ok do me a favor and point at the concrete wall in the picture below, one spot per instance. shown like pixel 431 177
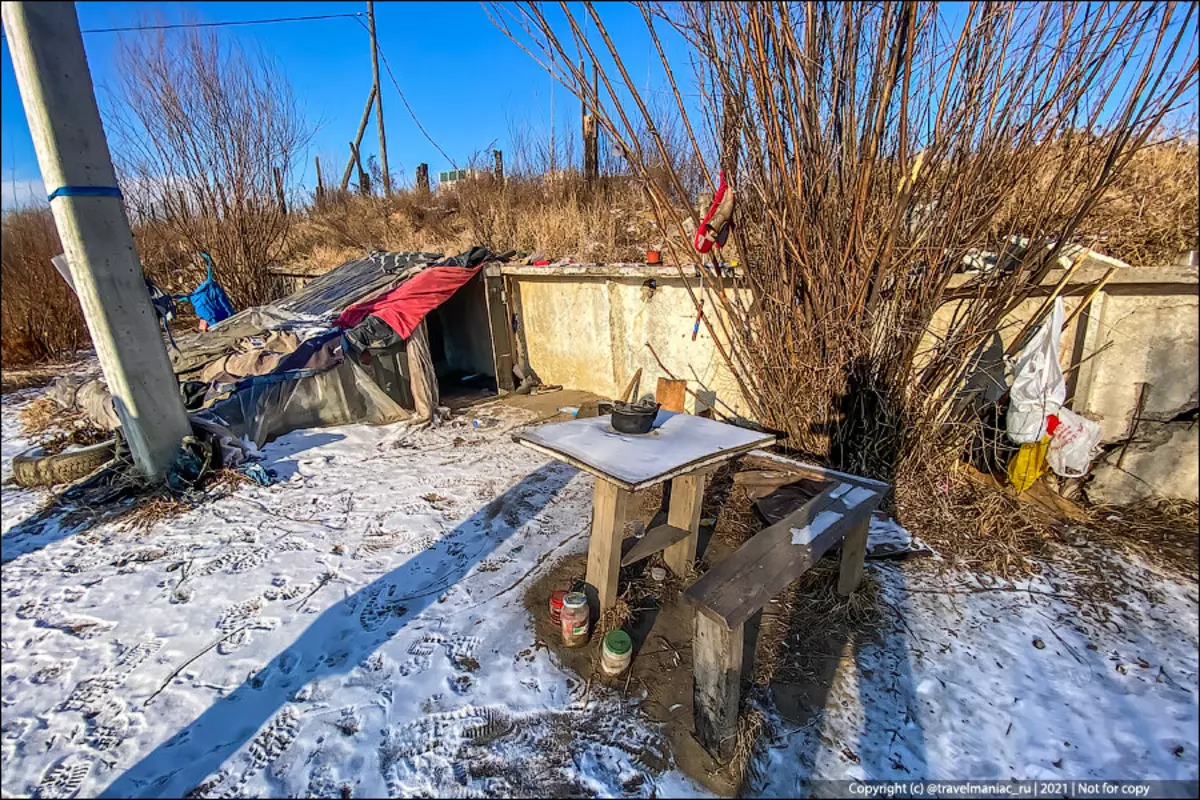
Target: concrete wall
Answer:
pixel 585 327
pixel 588 330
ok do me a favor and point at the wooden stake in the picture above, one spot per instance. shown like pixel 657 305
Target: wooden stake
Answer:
pixel 854 553
pixel 716 683
pixel 280 197
pixel 364 180
pixel 626 396
pixel 498 162
pixel 383 159
pixel 1087 301
pixel 320 183
pixel 362 127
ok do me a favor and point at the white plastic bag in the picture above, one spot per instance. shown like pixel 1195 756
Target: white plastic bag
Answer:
pixel 1073 445
pixel 1038 388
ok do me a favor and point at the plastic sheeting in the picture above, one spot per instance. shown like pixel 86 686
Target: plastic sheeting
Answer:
pixel 404 307
pixel 269 406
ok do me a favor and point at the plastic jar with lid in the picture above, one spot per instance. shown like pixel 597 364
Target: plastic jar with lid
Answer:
pixel 616 652
pixel 575 619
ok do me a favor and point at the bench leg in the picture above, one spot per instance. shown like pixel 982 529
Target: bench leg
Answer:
pixel 716 683
pixel 687 492
pixel 604 548
pixel 854 552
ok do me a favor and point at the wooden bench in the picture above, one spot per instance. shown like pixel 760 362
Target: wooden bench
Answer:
pixel 734 590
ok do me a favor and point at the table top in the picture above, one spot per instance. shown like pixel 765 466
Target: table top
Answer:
pixel 677 444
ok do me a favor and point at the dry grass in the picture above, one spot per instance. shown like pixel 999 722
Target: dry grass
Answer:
pixel 1163 533
pixel 40 319
pixel 152 510
pixel 614 618
pixel 1150 213
pixel 751 724
pixel 40 415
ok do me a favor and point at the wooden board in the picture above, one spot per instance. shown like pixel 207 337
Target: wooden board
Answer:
pixel 500 325
pixel 746 581
pixel 609 502
pixel 761 459
pixel 687 494
pixel 660 537
pixel 678 444
pixel 671 394
pixel 854 553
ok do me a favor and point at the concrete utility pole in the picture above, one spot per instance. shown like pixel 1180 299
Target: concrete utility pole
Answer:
pixel 56 90
pixel 383 162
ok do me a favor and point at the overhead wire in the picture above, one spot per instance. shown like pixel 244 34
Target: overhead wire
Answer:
pixel 169 26
pixel 404 100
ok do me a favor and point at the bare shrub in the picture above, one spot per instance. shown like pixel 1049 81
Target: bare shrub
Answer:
pixel 876 148
pixel 40 318
pixel 200 130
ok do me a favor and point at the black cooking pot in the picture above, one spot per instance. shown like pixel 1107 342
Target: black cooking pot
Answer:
pixel 634 418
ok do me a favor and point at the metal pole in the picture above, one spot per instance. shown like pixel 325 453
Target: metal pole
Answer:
pixel 387 179
pixel 60 105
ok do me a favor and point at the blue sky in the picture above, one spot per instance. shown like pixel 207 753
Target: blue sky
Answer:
pixel 467 83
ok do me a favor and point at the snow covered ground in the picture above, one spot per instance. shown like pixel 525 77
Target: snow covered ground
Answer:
pixel 357 629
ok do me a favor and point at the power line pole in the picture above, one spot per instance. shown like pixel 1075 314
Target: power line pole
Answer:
pixel 72 152
pixel 387 179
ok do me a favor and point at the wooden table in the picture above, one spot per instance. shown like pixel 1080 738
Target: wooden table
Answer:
pixel 680 448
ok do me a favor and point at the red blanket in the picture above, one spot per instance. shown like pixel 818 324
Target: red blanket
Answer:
pixel 404 307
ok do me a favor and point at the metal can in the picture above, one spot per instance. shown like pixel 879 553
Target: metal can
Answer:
pixel 556 606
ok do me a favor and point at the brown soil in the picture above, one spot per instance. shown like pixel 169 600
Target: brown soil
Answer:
pixel 660 624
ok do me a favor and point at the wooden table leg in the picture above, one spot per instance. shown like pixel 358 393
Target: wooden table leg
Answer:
pixel 687 492
pixel 854 553
pixel 716 683
pixel 604 549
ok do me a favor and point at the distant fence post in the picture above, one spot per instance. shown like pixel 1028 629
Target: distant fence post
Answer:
pixel 320 184
pixel 498 158
pixel 280 197
pixel 423 177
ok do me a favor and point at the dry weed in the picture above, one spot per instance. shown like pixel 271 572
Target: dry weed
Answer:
pixel 152 510
pixel 1163 533
pixel 750 726
pixel 40 415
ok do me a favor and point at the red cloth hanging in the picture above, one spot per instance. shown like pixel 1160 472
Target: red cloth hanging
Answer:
pixel 404 307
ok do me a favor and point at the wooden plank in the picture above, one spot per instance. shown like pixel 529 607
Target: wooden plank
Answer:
pixel 671 394
pixel 657 538
pixel 609 502
pixel 716 683
pixel 687 493
pixel 761 459
pixel 854 553
pixel 761 568
pixel 500 325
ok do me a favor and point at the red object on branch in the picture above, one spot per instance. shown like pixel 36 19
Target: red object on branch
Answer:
pixel 404 307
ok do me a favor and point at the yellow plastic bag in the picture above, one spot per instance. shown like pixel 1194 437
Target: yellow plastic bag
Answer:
pixel 1028 464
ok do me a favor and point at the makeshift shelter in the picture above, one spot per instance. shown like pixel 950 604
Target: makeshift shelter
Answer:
pixel 378 339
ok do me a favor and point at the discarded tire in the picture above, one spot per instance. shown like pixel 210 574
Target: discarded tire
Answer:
pixel 32 468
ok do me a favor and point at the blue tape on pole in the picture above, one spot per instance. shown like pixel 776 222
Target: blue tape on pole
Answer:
pixel 84 191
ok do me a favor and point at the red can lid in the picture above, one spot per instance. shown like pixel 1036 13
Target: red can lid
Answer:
pixel 556 598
